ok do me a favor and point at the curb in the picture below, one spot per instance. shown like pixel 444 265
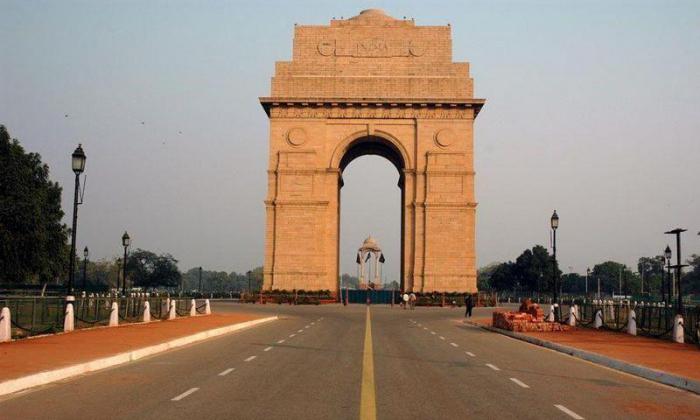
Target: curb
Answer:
pixel 46 377
pixel 665 378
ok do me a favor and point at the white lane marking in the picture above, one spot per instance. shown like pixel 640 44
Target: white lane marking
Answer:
pixel 442 338
pixel 280 341
pixel 291 335
pixel 454 345
pixel 185 394
pixel 300 331
pixel 494 367
pixel 308 326
pixel 519 382
pixel 313 323
pixel 226 372
pixel 432 332
pixel 470 354
pixel 250 358
pixel 569 412
pixel 268 348
pixel 425 328
pixel 419 324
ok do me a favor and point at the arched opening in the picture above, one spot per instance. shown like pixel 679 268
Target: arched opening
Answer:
pixel 370 203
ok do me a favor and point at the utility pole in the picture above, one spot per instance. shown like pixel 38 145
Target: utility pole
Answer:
pixel 200 280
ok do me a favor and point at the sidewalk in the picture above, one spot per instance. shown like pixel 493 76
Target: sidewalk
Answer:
pixel 93 349
pixel 654 359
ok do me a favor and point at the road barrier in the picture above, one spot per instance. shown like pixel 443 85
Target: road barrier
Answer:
pixel 24 316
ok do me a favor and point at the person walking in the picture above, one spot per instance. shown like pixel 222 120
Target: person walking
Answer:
pixel 469 304
pixel 412 300
pixel 405 300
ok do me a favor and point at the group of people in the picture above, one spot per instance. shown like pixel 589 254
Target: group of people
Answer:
pixel 408 301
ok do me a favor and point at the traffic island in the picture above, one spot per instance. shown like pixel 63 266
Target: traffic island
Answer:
pixel 42 360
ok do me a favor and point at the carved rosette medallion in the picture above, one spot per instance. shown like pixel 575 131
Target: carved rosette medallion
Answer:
pixel 326 47
pixel 296 136
pixel 445 137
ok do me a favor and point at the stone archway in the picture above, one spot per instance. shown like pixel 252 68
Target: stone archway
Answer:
pixel 371 84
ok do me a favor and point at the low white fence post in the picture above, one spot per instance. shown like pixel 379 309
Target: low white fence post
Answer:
pixel 207 307
pixel 68 316
pixel 172 313
pixel 572 316
pixel 146 311
pixel 632 322
pixel 114 315
pixel 5 325
pixel 193 308
pixel 598 319
pixel 550 316
pixel 678 332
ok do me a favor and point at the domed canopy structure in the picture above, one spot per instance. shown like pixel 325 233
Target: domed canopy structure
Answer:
pixel 370 244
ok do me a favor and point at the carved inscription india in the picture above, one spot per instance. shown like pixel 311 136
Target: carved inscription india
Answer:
pixel 372 47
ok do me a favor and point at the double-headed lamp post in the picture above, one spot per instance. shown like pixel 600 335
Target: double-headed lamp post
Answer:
pixel 78 164
pixel 554 221
pixel 679 267
pixel 126 241
pixel 86 253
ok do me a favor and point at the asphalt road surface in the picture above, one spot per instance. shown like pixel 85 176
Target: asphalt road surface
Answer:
pixel 335 362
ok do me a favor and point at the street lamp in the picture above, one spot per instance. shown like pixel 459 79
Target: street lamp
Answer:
pixel 678 265
pixel 588 273
pixel 126 241
pixel 669 280
pixel 86 253
pixel 78 164
pixel 249 273
pixel 554 221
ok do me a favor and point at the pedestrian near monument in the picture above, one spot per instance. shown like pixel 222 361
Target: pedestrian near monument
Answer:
pixel 412 300
pixel 469 304
pixel 405 300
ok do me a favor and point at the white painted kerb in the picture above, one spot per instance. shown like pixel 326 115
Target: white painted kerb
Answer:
pixel 43 378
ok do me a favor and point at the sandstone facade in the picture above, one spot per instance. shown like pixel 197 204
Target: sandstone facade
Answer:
pixel 371 84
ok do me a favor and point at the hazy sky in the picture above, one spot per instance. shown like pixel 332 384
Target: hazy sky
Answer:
pixel 593 108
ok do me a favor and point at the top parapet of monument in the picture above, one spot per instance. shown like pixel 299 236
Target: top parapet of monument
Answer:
pixel 371 17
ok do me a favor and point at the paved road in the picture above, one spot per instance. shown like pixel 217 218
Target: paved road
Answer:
pixel 334 362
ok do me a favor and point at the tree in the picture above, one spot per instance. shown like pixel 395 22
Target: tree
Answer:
pixel 146 269
pixel 612 277
pixel 33 240
pixel 483 276
pixel 691 280
pixel 346 280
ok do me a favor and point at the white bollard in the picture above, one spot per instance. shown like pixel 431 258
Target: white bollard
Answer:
pixel 167 304
pixel 68 318
pixel 572 316
pixel 146 311
pixel 678 332
pixel 632 322
pixel 550 316
pixel 207 307
pixel 5 325
pixel 598 319
pixel 193 308
pixel 114 315
pixel 172 314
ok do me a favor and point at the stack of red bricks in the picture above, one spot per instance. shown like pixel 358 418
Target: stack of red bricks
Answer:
pixel 529 318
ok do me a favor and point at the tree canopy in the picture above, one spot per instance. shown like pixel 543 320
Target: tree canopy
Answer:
pixel 33 239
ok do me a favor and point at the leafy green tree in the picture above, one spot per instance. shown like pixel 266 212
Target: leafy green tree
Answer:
pixel 612 277
pixel 146 269
pixel 352 282
pixel 483 276
pixel 32 237
pixel 691 280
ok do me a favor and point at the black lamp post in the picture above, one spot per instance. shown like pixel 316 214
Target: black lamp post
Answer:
pixel 200 281
pixel 554 221
pixel 667 256
pixel 78 164
pixel 86 253
pixel 588 274
pixel 678 266
pixel 126 241
pixel 249 274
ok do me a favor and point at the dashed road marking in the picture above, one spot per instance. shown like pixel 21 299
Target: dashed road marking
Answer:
pixel 494 367
pixel 226 372
pixel 454 345
pixel 519 382
pixel 268 348
pixel 442 338
pixel 470 354
pixel 313 323
pixel 308 326
pixel 432 332
pixel 569 412
pixel 185 394
pixel 250 358
pixel 280 341
pixel 425 328
pixel 291 335
pixel 300 331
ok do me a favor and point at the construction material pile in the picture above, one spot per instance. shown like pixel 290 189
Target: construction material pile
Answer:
pixel 528 318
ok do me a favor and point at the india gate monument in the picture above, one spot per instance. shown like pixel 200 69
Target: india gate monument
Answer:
pixel 371 85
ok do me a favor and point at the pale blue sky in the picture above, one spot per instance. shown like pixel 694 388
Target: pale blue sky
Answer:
pixel 593 108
